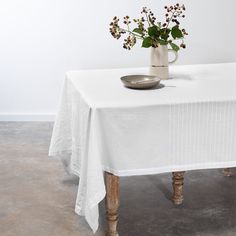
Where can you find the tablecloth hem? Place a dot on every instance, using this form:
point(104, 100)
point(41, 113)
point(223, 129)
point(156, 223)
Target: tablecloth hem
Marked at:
point(152, 171)
point(58, 154)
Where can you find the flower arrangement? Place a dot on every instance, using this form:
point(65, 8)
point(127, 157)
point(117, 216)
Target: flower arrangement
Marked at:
point(151, 32)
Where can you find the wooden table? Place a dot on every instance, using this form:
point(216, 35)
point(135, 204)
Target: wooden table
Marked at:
point(113, 197)
point(191, 122)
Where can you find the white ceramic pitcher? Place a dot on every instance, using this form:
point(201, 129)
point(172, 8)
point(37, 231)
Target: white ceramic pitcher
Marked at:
point(160, 61)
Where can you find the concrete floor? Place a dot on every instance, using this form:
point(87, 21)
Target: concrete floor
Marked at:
point(37, 198)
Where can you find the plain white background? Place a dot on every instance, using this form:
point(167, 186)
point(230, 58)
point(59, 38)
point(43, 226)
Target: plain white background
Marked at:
point(42, 39)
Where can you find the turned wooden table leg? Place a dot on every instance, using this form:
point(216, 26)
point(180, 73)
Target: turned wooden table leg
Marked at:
point(112, 203)
point(178, 182)
point(227, 172)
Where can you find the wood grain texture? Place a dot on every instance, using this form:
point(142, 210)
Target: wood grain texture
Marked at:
point(227, 172)
point(112, 203)
point(178, 182)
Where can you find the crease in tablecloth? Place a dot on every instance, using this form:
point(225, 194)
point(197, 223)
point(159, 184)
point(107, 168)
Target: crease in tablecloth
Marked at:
point(73, 116)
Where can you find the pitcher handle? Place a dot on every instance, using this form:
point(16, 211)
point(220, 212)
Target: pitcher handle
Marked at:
point(176, 56)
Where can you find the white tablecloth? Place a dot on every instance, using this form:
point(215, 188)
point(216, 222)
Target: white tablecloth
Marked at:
point(103, 126)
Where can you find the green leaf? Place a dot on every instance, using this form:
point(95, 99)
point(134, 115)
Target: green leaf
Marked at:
point(165, 33)
point(147, 42)
point(153, 31)
point(165, 30)
point(162, 42)
point(164, 36)
point(175, 47)
point(137, 30)
point(176, 32)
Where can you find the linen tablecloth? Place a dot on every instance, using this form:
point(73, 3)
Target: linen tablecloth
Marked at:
point(188, 124)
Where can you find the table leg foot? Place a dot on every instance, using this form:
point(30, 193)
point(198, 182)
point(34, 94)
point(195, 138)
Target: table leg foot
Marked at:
point(227, 172)
point(112, 203)
point(178, 182)
point(112, 234)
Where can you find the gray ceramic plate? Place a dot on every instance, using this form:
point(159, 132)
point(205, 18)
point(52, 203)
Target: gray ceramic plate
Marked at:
point(140, 81)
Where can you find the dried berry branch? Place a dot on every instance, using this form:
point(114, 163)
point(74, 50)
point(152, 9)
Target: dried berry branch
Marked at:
point(151, 33)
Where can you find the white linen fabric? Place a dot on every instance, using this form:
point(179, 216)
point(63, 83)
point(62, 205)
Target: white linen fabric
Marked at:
point(188, 124)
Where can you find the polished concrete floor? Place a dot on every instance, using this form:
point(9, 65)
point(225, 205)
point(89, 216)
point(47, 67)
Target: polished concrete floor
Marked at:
point(37, 198)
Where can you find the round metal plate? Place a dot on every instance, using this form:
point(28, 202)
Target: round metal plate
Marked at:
point(140, 81)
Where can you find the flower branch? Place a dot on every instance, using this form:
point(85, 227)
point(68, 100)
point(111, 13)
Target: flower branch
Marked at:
point(152, 34)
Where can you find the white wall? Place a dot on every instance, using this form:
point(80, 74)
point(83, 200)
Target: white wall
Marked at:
point(42, 39)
